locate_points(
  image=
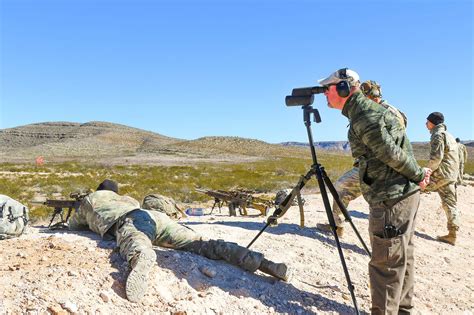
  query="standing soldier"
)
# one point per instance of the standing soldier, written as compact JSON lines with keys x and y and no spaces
{"x":444,"y":161}
{"x":389,"y":177}
{"x":137,"y":230}
{"x":347,"y":186}
{"x":462,"y":159}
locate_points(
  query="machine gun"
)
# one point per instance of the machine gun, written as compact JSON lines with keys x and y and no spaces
{"x":60,"y":206}
{"x":238,"y":199}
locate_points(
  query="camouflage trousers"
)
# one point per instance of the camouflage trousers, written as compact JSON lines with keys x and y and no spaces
{"x":140,"y":229}
{"x":461,"y":173}
{"x":391,"y":267}
{"x":348,"y":188}
{"x":10,"y":229}
{"x":448,"y":195}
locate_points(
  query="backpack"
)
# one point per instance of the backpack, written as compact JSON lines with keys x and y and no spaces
{"x":13,"y":217}
{"x":163,"y":204}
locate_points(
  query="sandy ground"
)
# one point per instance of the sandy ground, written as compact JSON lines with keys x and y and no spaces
{"x":63,"y":272}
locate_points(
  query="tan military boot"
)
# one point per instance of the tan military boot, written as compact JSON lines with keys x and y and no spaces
{"x":137,"y":281}
{"x":327,"y":228}
{"x":278,"y":270}
{"x":450,"y":238}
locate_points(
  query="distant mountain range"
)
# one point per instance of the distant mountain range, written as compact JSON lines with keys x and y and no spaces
{"x":92,"y":141}
{"x":323,"y":145}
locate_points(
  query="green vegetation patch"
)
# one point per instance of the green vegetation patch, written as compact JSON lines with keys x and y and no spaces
{"x":26,"y":182}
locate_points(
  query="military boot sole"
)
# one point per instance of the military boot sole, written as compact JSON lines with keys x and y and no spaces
{"x":289,"y":275}
{"x":286,"y":276}
{"x":137,"y":281}
{"x":277,"y":270}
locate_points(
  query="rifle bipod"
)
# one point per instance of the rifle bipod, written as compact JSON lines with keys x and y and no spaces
{"x":323,"y":181}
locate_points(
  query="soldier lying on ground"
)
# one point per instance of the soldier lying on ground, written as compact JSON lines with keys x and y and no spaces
{"x":13,"y":217}
{"x":136,"y":230}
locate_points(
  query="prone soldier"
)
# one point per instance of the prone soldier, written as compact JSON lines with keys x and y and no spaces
{"x":137,"y":229}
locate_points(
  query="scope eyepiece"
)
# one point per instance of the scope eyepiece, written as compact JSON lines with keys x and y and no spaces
{"x":306,"y":91}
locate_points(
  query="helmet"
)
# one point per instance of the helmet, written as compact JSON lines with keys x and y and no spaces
{"x":371,"y":89}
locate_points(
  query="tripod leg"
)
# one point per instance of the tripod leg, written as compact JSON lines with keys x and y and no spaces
{"x":285,"y":204}
{"x":213,"y":207}
{"x":220,"y":204}
{"x":300,"y":205}
{"x":232,"y":209}
{"x":319,"y":174}
{"x":343,"y":208}
{"x":244,"y":209}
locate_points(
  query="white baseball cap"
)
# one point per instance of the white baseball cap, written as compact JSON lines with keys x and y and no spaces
{"x":339,"y":75}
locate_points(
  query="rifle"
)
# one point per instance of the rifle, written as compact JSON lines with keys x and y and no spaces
{"x":60,"y":205}
{"x":238,"y":199}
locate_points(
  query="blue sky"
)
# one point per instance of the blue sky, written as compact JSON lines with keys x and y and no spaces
{"x":189,"y":69}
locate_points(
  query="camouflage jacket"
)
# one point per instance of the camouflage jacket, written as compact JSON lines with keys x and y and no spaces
{"x":462,"y":153}
{"x":100,"y":210}
{"x":387,"y":166}
{"x":444,"y":155}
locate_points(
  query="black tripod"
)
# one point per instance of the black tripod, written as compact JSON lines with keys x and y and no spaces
{"x":323,"y":181}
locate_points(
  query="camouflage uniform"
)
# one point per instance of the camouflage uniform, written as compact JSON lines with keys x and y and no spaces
{"x":163,"y":204}
{"x":137,"y":230}
{"x":348,"y":189}
{"x":444,"y":161}
{"x":140,"y":229}
{"x":13,"y":217}
{"x":462,"y":159}
{"x":347,"y":186}
{"x":388,"y":175}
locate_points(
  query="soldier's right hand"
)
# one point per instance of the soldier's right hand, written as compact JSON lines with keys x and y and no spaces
{"x":425,"y":180}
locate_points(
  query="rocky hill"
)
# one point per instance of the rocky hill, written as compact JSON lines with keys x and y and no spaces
{"x":115,"y":143}
{"x":61,"y":132}
{"x":67,"y":139}
{"x":106,"y":142}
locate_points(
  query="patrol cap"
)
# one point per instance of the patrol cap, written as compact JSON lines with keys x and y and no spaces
{"x":436,"y":118}
{"x":108,"y":185}
{"x":371,"y":88}
{"x":338,"y":76}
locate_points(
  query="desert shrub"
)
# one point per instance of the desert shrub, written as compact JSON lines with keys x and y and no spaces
{"x":24,"y":182}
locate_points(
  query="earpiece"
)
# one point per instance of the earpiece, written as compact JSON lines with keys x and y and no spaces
{"x":343,"y":88}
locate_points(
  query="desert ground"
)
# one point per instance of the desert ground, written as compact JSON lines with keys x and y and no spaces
{"x":60,"y":272}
